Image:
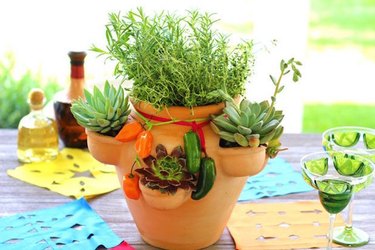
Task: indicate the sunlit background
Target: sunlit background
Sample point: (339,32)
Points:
(335,40)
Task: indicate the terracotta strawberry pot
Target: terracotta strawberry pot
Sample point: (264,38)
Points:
(185,223)
(164,201)
(252,160)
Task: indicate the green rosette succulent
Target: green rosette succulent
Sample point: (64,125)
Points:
(251,124)
(104,111)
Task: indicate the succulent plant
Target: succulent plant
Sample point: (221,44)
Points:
(249,124)
(166,172)
(103,112)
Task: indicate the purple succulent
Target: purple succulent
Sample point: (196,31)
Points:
(166,172)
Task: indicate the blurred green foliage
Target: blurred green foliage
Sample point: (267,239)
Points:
(14,91)
(343,23)
(338,23)
(319,117)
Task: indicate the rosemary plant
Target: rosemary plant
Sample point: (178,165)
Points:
(174,60)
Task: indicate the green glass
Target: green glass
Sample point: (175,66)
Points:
(322,170)
(343,138)
(362,141)
(334,194)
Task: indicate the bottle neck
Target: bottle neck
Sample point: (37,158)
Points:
(77,71)
(76,88)
(36,113)
(77,82)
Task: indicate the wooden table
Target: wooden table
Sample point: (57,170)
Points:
(17,196)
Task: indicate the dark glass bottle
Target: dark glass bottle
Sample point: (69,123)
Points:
(70,132)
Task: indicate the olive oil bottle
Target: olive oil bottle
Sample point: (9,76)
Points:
(37,134)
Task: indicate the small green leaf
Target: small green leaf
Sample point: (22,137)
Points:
(103,122)
(227,136)
(97,50)
(241,140)
(283,65)
(295,77)
(88,96)
(273,80)
(297,72)
(106,88)
(294,68)
(115,124)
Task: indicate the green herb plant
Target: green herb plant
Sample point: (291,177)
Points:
(174,60)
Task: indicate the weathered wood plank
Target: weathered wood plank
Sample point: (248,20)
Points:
(17,196)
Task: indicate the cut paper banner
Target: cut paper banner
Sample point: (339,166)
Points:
(74,173)
(123,246)
(277,226)
(277,178)
(73,225)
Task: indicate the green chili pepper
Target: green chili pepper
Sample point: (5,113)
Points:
(192,151)
(206,179)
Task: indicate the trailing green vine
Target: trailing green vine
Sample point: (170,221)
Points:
(284,70)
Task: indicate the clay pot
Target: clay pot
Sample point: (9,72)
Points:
(164,201)
(188,224)
(252,160)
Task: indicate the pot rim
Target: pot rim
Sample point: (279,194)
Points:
(103,138)
(240,150)
(179,112)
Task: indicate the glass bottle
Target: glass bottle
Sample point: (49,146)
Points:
(37,134)
(71,133)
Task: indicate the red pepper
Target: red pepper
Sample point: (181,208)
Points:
(143,144)
(130,185)
(129,131)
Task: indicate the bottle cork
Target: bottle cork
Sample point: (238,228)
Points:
(36,98)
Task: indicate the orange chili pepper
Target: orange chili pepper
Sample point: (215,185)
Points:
(130,185)
(143,144)
(129,131)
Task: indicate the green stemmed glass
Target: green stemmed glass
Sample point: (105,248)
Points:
(324,172)
(361,141)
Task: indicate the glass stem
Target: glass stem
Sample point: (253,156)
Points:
(332,218)
(349,220)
